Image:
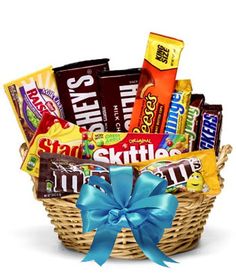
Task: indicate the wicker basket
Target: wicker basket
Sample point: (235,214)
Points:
(184,235)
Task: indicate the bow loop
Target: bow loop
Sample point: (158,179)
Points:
(147,211)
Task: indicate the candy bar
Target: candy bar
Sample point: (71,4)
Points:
(156,84)
(118,91)
(192,123)
(178,111)
(123,148)
(210,127)
(32,96)
(78,88)
(194,171)
(62,175)
(54,135)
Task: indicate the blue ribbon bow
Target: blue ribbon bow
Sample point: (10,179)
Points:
(147,210)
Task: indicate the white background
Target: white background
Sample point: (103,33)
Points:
(35,34)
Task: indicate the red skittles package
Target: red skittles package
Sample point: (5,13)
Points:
(123,148)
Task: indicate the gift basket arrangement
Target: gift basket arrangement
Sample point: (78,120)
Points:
(126,162)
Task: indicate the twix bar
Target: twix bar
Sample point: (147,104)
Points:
(156,84)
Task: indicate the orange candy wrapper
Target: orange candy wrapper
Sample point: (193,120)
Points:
(156,84)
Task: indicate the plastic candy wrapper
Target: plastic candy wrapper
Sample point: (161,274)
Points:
(78,89)
(53,135)
(62,175)
(156,84)
(118,90)
(210,127)
(194,171)
(179,105)
(124,148)
(193,117)
(32,96)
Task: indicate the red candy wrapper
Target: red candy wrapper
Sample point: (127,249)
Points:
(123,148)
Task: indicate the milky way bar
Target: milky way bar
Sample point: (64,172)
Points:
(210,127)
(63,175)
(118,91)
(78,87)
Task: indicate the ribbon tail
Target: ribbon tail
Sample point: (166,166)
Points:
(102,245)
(150,249)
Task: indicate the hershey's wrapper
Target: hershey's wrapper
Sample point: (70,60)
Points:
(118,91)
(78,88)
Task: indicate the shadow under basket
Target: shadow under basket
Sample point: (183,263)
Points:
(187,227)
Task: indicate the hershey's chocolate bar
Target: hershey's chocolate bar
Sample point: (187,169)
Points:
(78,88)
(118,91)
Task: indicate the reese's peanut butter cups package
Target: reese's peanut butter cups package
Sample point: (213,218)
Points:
(53,135)
(179,105)
(124,148)
(156,84)
(32,96)
(194,171)
(78,88)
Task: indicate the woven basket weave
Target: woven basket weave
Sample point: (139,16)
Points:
(191,215)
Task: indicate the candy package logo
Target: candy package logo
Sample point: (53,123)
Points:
(70,181)
(176,110)
(85,105)
(175,173)
(36,102)
(193,113)
(134,154)
(149,113)
(140,140)
(208,131)
(162,54)
(54,146)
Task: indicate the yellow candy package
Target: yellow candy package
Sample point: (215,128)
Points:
(31,96)
(178,110)
(54,135)
(193,172)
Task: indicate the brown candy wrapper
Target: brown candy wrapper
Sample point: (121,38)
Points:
(118,90)
(62,175)
(78,88)
(210,127)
